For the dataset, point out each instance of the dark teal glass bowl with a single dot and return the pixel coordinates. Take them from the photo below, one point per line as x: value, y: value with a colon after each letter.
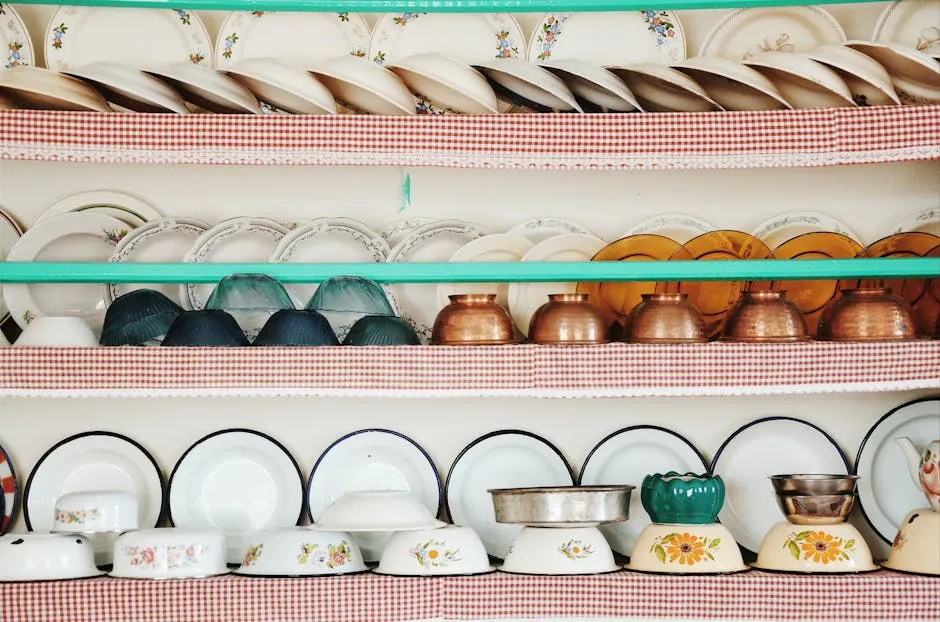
x: 381, y: 330
x: 684, y: 499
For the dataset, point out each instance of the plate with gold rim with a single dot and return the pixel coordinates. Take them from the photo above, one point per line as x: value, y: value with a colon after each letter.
x: 746, y: 33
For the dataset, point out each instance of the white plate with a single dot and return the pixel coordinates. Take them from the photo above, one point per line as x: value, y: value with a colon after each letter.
x: 663, y: 89
x: 593, y: 85
x: 372, y: 460
x: 869, y: 82
x: 166, y: 240
x: 626, y: 457
x: 467, y: 37
x: 746, y: 460
x: 120, y: 205
x: 69, y: 237
x: 886, y: 491
x: 803, y: 82
x: 328, y: 240
x: 927, y: 221
x: 677, y: 227
x: 434, y: 242
x: 396, y: 232
x: 916, y: 76
x: 783, y: 227
x: 496, y: 247
x: 915, y: 23
x: 239, y: 482
x: 526, y: 298
x: 93, y: 461
x: 529, y: 86
x: 130, y: 88
x: 140, y: 38
x: 364, y: 87
x: 14, y: 39
x: 10, y: 233
x: 294, y: 37
x: 233, y: 240
x: 442, y: 85
x: 284, y: 86
x: 609, y: 38
x: 732, y: 84
x: 504, y: 459
x: 540, y: 229
x: 745, y: 33
x: 8, y: 485
x: 33, y: 88
x: 207, y: 88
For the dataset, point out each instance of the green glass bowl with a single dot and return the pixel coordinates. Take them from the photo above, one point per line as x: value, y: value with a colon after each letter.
x: 676, y: 498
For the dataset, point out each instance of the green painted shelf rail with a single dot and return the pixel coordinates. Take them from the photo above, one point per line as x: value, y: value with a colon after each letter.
x: 437, y: 6
x: 750, y: 270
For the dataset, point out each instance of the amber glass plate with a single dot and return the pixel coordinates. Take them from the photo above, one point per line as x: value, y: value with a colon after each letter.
x: 714, y: 299
x: 811, y: 296
x: 913, y: 291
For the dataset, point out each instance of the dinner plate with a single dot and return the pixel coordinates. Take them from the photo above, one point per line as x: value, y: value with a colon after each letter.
x: 9, y: 501
x: 434, y: 242
x: 466, y: 37
x: 139, y: 38
x: 70, y: 237
x: 93, y: 461
x: 626, y: 457
x: 14, y: 39
x: 396, y: 232
x: 733, y: 85
x: 294, y: 37
x: 544, y: 227
x: 166, y: 240
x: 233, y: 240
x: 526, y: 298
x: 502, y: 459
x: 925, y: 221
x: 886, y: 492
x: 659, y: 88
x: 132, y: 210
x: 915, y: 23
x: 442, y: 85
x: 802, y: 81
x: 609, y: 38
x: 869, y: 82
x: 747, y: 459
x: 596, y: 88
x: 745, y: 33
x: 237, y: 481
x: 130, y: 88
x: 360, y: 86
x: 208, y: 89
x: 529, y: 86
x: 372, y: 460
x: 282, y: 85
x: 784, y: 227
x: 678, y: 227
x: 10, y: 233
x: 715, y: 299
x: 34, y: 88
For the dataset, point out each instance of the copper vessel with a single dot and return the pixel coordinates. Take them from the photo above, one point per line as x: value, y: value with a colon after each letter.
x: 867, y: 314
x: 665, y: 318
x: 472, y: 319
x: 568, y: 319
x: 765, y: 316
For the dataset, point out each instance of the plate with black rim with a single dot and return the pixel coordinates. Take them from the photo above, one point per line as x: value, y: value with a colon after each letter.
x: 10, y: 500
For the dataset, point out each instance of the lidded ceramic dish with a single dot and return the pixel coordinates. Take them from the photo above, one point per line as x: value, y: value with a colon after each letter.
x: 301, y: 552
x: 451, y: 550
x: 559, y: 551
x: 169, y: 553
x: 916, y: 547
x: 97, y: 511
x: 44, y: 557
x: 377, y: 510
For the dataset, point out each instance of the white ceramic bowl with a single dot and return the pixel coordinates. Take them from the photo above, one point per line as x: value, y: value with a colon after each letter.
x: 301, y: 552
x: 686, y: 549
x: 450, y: 550
x: 169, y: 553
x: 567, y: 551
x: 663, y: 89
x: 916, y: 548
x: 867, y: 80
x: 209, y: 89
x: 360, y: 84
x: 803, y: 82
x: 283, y: 85
x: 383, y: 510
x: 45, y: 556
x: 446, y: 83
x: 828, y: 549
x: 130, y: 88
x: 42, y: 89
x: 915, y: 75
x: 98, y: 511
x: 530, y: 82
x: 594, y: 84
x: 733, y: 85
x: 51, y: 331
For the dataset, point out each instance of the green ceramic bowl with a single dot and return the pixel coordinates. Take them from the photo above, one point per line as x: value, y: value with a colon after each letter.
x: 688, y: 499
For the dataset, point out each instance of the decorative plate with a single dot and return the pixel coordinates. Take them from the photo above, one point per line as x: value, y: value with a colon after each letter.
x: 596, y: 88
x: 208, y: 89
x: 10, y: 233
x: 678, y: 227
x: 925, y: 221
x: 15, y: 43
x: 659, y: 88
x: 79, y: 35
x: 132, y: 210
x: 912, y: 22
x: 10, y: 501
x: 783, y: 227
x: 540, y: 229
x: 295, y: 37
x: 745, y: 33
x: 33, y: 88
x: 733, y: 85
x: 467, y: 37
x: 130, y: 88
x: 398, y: 230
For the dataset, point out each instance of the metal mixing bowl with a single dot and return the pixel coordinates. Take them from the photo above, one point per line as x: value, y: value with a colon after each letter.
x: 813, y: 484
x: 816, y: 509
x: 564, y: 506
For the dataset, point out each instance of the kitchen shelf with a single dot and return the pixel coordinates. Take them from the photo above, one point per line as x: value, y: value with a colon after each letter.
x: 611, y: 370
x: 707, y: 140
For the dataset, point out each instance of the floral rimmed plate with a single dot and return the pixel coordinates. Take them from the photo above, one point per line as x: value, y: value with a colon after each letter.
x: 79, y: 35
x: 678, y: 227
x: 745, y: 33
x: 542, y: 228
x: 925, y: 221
x: 132, y: 210
x: 11, y: 497
x: 69, y: 237
x: 784, y: 227
x: 15, y: 44
x: 912, y: 22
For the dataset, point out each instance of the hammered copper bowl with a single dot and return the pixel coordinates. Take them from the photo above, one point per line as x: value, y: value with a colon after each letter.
x: 665, y: 318
x: 867, y: 314
x: 472, y: 319
x: 568, y: 319
x: 765, y: 316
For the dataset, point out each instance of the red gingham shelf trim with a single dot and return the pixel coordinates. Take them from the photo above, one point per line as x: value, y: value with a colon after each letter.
x: 545, y: 141
x: 611, y: 370
x: 374, y: 598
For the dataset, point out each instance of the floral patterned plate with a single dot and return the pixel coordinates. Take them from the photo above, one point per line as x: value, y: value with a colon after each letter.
x: 542, y: 228
x: 294, y: 37
x: 15, y: 43
x: 69, y: 237
x: 926, y: 221
x: 678, y: 227
x: 132, y: 210
x: 912, y: 22
x: 79, y: 35
x: 745, y: 33
x: 784, y: 227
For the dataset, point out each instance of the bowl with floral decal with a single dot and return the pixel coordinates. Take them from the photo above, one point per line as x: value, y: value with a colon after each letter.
x: 676, y: 498
x: 301, y: 552
x: 559, y: 551
x: 450, y: 550
x: 686, y: 549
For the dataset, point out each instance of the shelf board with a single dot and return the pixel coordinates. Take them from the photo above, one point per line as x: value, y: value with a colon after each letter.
x: 612, y: 370
x: 707, y: 140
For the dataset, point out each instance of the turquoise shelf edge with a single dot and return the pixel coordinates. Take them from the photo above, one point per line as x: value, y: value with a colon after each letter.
x: 751, y: 270
x: 436, y: 6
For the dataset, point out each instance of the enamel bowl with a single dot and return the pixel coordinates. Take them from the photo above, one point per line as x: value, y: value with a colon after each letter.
x: 65, y: 331
x: 379, y: 510
x: 446, y: 83
x: 916, y: 547
x: 564, y: 551
x: 98, y: 511
x: 169, y: 553
x: 686, y: 549
x: 449, y: 550
x: 829, y: 549
x: 301, y: 552
x: 44, y: 556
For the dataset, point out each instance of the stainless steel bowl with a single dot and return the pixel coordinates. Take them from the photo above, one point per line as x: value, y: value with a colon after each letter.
x: 565, y: 506
x: 816, y: 509
x: 814, y: 484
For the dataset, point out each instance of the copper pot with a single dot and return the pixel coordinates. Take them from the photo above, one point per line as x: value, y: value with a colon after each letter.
x: 867, y: 314
x: 665, y: 318
x: 568, y: 319
x: 765, y: 316
x: 472, y: 319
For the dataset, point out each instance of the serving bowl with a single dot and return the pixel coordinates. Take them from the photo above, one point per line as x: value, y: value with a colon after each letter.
x: 688, y: 499
x: 139, y: 317
x: 204, y: 329
x: 665, y: 318
x: 301, y: 552
x: 562, y: 506
x: 568, y: 319
x: 765, y: 316
x: 169, y: 553
x: 344, y: 300
x: 559, y: 551
x: 686, y: 549
x: 450, y: 550
x: 377, y: 510
x: 381, y: 330
x: 296, y: 327
x: 56, y: 331
x: 916, y: 547
x: 867, y: 314
x: 249, y: 298
x: 830, y: 549
x: 44, y: 557
x: 472, y: 319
